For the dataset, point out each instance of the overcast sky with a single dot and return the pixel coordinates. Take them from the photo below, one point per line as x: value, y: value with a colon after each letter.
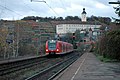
x: 17, y: 9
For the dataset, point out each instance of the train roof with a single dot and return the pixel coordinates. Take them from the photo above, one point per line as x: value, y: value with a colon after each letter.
x: 60, y: 41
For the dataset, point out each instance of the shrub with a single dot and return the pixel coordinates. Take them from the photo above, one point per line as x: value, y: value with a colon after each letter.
x: 109, y: 45
x: 27, y: 50
x: 113, y: 45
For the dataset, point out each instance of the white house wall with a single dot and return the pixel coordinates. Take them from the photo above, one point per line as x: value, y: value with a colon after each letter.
x: 65, y: 28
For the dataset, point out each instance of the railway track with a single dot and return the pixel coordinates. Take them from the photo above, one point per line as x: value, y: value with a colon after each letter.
x: 25, y: 69
x: 52, y: 71
x: 9, y: 67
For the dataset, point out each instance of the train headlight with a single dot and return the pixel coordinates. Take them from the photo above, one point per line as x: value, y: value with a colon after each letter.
x: 46, y: 49
x: 57, y: 49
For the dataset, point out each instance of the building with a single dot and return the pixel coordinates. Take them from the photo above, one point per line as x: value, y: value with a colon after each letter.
x: 83, y: 16
x: 71, y: 28
x: 84, y: 25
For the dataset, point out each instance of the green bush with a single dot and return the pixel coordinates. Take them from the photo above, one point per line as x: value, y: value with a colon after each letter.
x: 27, y: 49
x: 113, y: 45
x: 81, y: 48
x: 108, y: 45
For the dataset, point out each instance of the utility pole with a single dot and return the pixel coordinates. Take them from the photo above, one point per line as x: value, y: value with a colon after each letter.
x: 39, y: 42
x: 17, y: 38
x: 14, y: 40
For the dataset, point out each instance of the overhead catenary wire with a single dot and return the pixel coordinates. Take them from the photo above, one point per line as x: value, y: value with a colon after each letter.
x: 28, y: 6
x: 10, y: 10
x: 32, y: 8
x: 38, y: 1
x: 62, y: 3
x: 52, y: 9
x: 2, y: 11
x: 47, y: 5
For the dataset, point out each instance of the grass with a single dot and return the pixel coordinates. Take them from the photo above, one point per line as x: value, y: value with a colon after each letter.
x: 105, y: 59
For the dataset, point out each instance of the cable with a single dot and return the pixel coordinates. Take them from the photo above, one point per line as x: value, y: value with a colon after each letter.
x: 11, y: 10
x: 62, y: 3
x: 51, y: 9
x: 2, y: 11
x: 28, y: 6
x: 47, y: 5
x: 38, y: 1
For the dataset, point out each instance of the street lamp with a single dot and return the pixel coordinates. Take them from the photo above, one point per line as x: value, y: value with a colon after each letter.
x: 114, y: 2
x: 117, y: 10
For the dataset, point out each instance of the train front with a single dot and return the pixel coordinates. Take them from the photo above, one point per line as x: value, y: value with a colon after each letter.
x: 51, y: 47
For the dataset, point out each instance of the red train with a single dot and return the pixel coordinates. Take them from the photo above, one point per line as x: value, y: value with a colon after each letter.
x: 58, y: 47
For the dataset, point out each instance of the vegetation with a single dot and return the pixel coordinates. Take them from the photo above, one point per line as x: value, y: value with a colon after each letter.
x: 77, y: 35
x: 69, y: 37
x: 108, y: 45
x: 106, y: 20
x: 25, y: 34
x: 3, y: 44
x: 27, y: 49
x: 81, y: 48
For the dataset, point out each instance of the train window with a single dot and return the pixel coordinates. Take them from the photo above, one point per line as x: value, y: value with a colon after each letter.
x: 60, y: 46
x: 52, y: 45
x: 63, y: 47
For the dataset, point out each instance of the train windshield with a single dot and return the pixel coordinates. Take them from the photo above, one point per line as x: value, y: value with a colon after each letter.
x: 52, y: 45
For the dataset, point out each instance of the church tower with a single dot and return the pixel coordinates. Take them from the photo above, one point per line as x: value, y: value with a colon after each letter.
x: 83, y: 15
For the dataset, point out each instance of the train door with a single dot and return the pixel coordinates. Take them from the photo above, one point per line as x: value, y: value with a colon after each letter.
x: 62, y: 48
